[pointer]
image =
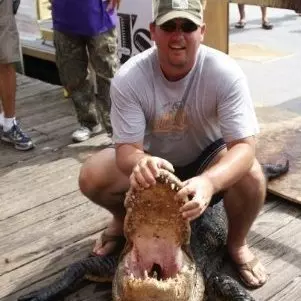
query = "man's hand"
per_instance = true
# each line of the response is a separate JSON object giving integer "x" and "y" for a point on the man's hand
{"x": 201, "y": 190}
{"x": 112, "y": 4}
{"x": 146, "y": 170}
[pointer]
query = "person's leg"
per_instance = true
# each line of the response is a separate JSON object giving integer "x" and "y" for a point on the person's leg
{"x": 243, "y": 202}
{"x": 104, "y": 60}
{"x": 242, "y": 16}
{"x": 264, "y": 19}
{"x": 8, "y": 89}
{"x": 9, "y": 54}
{"x": 72, "y": 63}
{"x": 102, "y": 182}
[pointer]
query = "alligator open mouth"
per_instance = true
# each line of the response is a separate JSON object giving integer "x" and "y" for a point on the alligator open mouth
{"x": 155, "y": 264}
{"x": 154, "y": 285}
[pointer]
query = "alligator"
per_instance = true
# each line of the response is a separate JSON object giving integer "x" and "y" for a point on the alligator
{"x": 165, "y": 258}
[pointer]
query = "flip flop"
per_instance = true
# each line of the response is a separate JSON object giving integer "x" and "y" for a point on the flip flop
{"x": 105, "y": 238}
{"x": 248, "y": 266}
{"x": 240, "y": 24}
{"x": 267, "y": 25}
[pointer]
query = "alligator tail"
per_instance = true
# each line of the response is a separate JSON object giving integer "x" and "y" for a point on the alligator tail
{"x": 72, "y": 277}
{"x": 224, "y": 288}
{"x": 273, "y": 171}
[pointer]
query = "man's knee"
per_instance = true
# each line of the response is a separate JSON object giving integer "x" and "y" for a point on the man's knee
{"x": 87, "y": 182}
{"x": 253, "y": 182}
{"x": 100, "y": 180}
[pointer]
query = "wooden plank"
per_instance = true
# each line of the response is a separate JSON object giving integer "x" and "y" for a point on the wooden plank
{"x": 45, "y": 269}
{"x": 272, "y": 220}
{"x": 37, "y": 240}
{"x": 16, "y": 222}
{"x": 290, "y": 292}
{"x": 280, "y": 139}
{"x": 287, "y": 4}
{"x": 46, "y": 145}
{"x": 280, "y": 253}
{"x": 38, "y": 49}
{"x": 29, "y": 87}
{"x": 268, "y": 240}
{"x": 47, "y": 180}
{"x": 216, "y": 35}
{"x": 45, "y": 115}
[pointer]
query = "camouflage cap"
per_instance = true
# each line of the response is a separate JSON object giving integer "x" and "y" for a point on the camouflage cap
{"x": 165, "y": 10}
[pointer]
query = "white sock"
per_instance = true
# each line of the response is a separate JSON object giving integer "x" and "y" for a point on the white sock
{"x": 8, "y": 123}
{"x": 1, "y": 119}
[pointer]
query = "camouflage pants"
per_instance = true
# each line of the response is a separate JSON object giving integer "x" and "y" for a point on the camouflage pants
{"x": 73, "y": 54}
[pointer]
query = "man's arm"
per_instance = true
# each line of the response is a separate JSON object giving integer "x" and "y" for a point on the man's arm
{"x": 228, "y": 170}
{"x": 128, "y": 155}
{"x": 233, "y": 165}
{"x": 141, "y": 167}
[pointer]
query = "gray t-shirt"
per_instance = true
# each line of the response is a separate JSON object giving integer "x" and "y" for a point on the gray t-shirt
{"x": 178, "y": 120}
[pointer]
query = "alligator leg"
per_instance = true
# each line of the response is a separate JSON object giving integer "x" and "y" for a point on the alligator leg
{"x": 224, "y": 288}
{"x": 103, "y": 267}
{"x": 272, "y": 171}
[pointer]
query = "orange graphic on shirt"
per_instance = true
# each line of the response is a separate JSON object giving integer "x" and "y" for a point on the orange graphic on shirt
{"x": 171, "y": 122}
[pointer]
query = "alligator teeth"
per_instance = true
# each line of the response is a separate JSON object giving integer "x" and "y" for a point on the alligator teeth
{"x": 132, "y": 276}
{"x": 145, "y": 274}
{"x": 173, "y": 186}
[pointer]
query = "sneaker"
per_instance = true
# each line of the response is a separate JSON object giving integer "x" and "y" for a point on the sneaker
{"x": 18, "y": 138}
{"x": 84, "y": 133}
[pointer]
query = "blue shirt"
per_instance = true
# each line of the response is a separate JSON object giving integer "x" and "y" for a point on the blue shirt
{"x": 82, "y": 17}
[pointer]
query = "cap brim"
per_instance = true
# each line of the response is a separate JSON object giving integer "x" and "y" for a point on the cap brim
{"x": 179, "y": 14}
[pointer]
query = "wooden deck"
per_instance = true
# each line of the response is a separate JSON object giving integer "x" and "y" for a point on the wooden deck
{"x": 46, "y": 223}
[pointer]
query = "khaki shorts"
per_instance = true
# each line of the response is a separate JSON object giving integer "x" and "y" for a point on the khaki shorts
{"x": 9, "y": 37}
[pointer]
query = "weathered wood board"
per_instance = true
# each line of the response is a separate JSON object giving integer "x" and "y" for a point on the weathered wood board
{"x": 280, "y": 140}
{"x": 217, "y": 33}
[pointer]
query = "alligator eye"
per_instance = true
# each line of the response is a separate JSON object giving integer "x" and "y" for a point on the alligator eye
{"x": 156, "y": 272}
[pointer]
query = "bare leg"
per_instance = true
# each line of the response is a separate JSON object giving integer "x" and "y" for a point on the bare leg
{"x": 264, "y": 14}
{"x": 242, "y": 13}
{"x": 8, "y": 89}
{"x": 265, "y": 22}
{"x": 243, "y": 202}
{"x": 103, "y": 183}
{"x": 242, "y": 16}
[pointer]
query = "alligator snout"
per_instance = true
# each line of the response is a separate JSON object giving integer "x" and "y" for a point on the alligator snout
{"x": 155, "y": 264}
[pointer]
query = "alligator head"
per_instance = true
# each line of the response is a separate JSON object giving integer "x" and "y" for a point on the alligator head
{"x": 154, "y": 226}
